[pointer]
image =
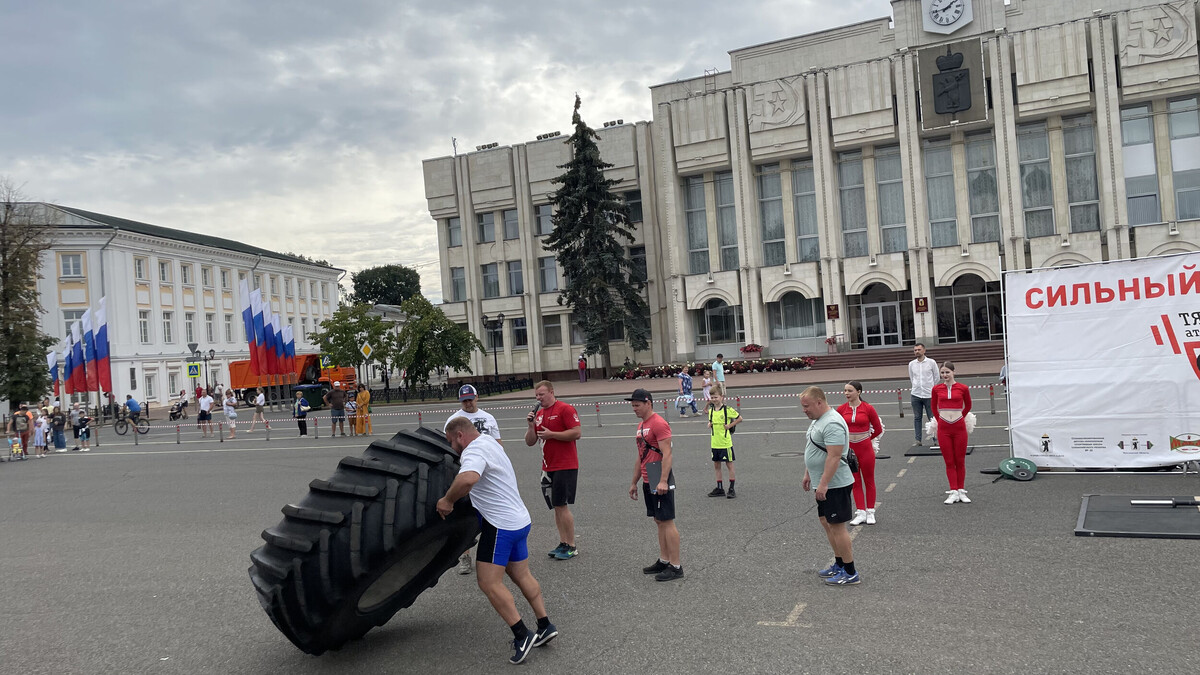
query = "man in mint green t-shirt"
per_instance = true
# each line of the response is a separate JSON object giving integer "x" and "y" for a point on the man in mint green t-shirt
{"x": 718, "y": 368}
{"x": 824, "y": 457}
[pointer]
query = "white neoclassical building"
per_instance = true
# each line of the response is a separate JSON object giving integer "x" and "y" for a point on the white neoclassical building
{"x": 870, "y": 182}
{"x": 167, "y": 288}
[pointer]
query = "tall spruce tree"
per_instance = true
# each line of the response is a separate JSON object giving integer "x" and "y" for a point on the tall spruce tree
{"x": 591, "y": 231}
{"x": 24, "y": 236}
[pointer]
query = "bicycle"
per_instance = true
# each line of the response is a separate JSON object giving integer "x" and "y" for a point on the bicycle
{"x": 122, "y": 423}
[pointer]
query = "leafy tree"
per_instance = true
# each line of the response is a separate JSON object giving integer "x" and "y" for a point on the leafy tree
{"x": 429, "y": 340}
{"x": 342, "y": 335}
{"x": 308, "y": 258}
{"x": 385, "y": 285}
{"x": 24, "y": 236}
{"x": 591, "y": 230}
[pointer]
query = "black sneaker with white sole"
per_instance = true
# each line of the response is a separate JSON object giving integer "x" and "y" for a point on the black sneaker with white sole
{"x": 521, "y": 648}
{"x": 657, "y": 567}
{"x": 670, "y": 574}
{"x": 545, "y": 635}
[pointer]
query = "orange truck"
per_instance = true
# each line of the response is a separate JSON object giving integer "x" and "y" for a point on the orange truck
{"x": 308, "y": 371}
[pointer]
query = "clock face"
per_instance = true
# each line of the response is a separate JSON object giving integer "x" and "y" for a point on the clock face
{"x": 946, "y": 12}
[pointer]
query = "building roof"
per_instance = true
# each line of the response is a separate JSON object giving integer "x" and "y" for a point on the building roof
{"x": 106, "y": 221}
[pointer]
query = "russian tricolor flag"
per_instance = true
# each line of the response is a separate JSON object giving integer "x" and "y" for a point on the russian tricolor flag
{"x": 280, "y": 346}
{"x": 102, "y": 368}
{"x": 52, "y": 362}
{"x": 68, "y": 369}
{"x": 269, "y": 341}
{"x": 79, "y": 371}
{"x": 92, "y": 373}
{"x": 248, "y": 324}
{"x": 289, "y": 349}
{"x": 258, "y": 342}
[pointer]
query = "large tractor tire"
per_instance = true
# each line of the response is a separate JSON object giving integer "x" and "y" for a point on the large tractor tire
{"x": 363, "y": 544}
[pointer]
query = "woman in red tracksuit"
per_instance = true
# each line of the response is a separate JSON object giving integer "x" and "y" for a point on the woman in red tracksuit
{"x": 951, "y": 403}
{"x": 865, "y": 427}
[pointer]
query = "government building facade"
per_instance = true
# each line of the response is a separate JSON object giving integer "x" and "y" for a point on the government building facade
{"x": 866, "y": 185}
{"x": 166, "y": 289}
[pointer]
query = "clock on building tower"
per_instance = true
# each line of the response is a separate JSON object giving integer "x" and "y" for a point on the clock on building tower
{"x": 945, "y": 16}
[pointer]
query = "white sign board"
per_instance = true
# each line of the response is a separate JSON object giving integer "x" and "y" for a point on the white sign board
{"x": 1102, "y": 363}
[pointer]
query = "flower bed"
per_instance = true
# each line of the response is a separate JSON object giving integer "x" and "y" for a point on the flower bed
{"x": 638, "y": 371}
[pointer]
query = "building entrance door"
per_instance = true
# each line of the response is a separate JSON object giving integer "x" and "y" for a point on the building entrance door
{"x": 881, "y": 324}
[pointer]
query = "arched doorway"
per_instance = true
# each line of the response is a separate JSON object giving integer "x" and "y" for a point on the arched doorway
{"x": 969, "y": 310}
{"x": 881, "y": 317}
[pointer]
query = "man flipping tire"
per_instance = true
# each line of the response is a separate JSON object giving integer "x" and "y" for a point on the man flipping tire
{"x": 487, "y": 474}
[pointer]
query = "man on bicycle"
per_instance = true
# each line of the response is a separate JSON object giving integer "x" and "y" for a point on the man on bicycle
{"x": 135, "y": 408}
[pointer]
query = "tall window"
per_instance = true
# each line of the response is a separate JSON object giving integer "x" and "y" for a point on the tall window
{"x": 189, "y": 326}
{"x": 697, "y": 225}
{"x": 210, "y": 328}
{"x": 257, "y": 281}
{"x": 939, "y": 190}
{"x": 274, "y": 284}
{"x": 139, "y": 269}
{"x": 491, "y": 280}
{"x": 225, "y": 280}
{"x": 458, "y": 284}
{"x": 304, "y": 329}
{"x": 168, "y": 319}
{"x": 552, "y": 330}
{"x": 770, "y": 212}
{"x": 206, "y": 277}
{"x": 516, "y": 280}
{"x": 1079, "y": 145}
{"x": 185, "y": 275}
{"x": 144, "y": 326}
{"x": 577, "y": 336}
{"x": 544, "y": 217}
{"x": 547, "y": 275}
{"x": 300, "y": 288}
{"x": 495, "y": 336}
{"x": 1141, "y": 173}
{"x": 519, "y": 333}
{"x": 890, "y": 192}
{"x": 804, "y": 203}
{"x": 287, "y": 286}
{"x": 453, "y": 232}
{"x": 1184, "y": 123}
{"x": 1037, "y": 190}
{"x": 487, "y": 226}
{"x": 637, "y": 257}
{"x": 981, "y": 188}
{"x": 717, "y": 323}
{"x": 72, "y": 264}
{"x": 633, "y": 199}
{"x": 172, "y": 382}
{"x": 853, "y": 197}
{"x": 726, "y": 220}
{"x": 512, "y": 229}
{"x": 164, "y": 271}
{"x": 229, "y": 328}
{"x": 796, "y": 316}
{"x": 70, "y": 316}
{"x": 150, "y": 381}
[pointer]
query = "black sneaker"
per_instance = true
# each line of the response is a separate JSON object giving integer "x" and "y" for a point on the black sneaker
{"x": 657, "y": 567}
{"x": 731, "y": 494}
{"x": 521, "y": 648}
{"x": 717, "y": 492}
{"x": 557, "y": 549}
{"x": 545, "y": 635}
{"x": 669, "y": 574}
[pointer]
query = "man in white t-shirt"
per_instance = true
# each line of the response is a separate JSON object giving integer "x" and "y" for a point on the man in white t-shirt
{"x": 484, "y": 424}
{"x": 923, "y": 374}
{"x": 204, "y": 419}
{"x": 487, "y": 475}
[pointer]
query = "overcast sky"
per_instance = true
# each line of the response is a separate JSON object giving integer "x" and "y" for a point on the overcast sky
{"x": 301, "y": 125}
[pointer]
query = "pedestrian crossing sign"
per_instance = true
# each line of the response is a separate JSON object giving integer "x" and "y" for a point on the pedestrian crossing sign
{"x": 326, "y": 362}
{"x": 193, "y": 370}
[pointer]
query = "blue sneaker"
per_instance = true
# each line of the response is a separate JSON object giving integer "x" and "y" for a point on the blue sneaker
{"x": 566, "y": 553}
{"x": 831, "y": 571}
{"x": 843, "y": 579}
{"x": 557, "y": 549}
{"x": 545, "y": 635}
{"x": 521, "y": 648}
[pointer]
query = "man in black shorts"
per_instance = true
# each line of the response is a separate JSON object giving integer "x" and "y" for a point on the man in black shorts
{"x": 653, "y": 470}
{"x": 828, "y": 439}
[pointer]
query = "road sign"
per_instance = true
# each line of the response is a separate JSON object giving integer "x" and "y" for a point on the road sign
{"x": 366, "y": 350}
{"x": 326, "y": 362}
{"x": 193, "y": 370}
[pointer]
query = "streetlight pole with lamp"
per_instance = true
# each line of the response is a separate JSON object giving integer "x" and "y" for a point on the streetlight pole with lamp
{"x": 197, "y": 354}
{"x": 491, "y": 326}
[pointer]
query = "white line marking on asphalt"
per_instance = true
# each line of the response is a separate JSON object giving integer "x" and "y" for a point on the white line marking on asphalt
{"x": 791, "y": 619}
{"x": 911, "y": 460}
{"x": 902, "y": 472}
{"x": 889, "y": 488}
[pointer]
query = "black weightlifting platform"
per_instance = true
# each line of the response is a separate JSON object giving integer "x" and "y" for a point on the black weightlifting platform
{"x": 1114, "y": 516}
{"x": 930, "y": 451}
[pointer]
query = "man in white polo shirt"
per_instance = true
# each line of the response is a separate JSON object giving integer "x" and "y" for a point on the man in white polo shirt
{"x": 923, "y": 374}
{"x": 487, "y": 475}
{"x": 485, "y": 424}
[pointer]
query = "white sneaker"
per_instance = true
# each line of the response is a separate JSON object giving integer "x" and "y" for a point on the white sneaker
{"x": 952, "y": 498}
{"x": 962, "y": 497}
{"x": 860, "y": 517}
{"x": 870, "y": 516}
{"x": 464, "y": 564}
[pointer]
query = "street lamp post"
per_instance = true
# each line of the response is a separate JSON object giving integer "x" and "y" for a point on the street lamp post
{"x": 490, "y": 326}
{"x": 197, "y": 354}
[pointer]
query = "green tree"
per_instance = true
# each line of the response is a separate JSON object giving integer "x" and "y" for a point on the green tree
{"x": 591, "y": 231}
{"x": 308, "y": 258}
{"x": 24, "y": 235}
{"x": 429, "y": 340}
{"x": 343, "y": 334}
{"x": 385, "y": 285}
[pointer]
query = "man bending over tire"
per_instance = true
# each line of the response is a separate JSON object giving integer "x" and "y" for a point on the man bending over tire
{"x": 487, "y": 474}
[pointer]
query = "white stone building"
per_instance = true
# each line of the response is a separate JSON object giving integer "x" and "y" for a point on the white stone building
{"x": 167, "y": 288}
{"x": 871, "y": 182}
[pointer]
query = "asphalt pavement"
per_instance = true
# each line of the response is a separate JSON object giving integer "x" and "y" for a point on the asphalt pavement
{"x": 132, "y": 559}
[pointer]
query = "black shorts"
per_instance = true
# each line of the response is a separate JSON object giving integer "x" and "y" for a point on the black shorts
{"x": 723, "y": 454}
{"x": 204, "y": 416}
{"x": 75, "y": 430}
{"x": 838, "y": 506}
{"x": 561, "y": 489}
{"x": 659, "y": 507}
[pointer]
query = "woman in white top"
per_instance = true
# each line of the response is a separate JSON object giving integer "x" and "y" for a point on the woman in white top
{"x": 230, "y": 405}
{"x": 707, "y": 382}
{"x": 260, "y": 401}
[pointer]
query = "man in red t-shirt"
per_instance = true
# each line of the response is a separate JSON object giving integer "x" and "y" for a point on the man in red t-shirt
{"x": 556, "y": 425}
{"x": 654, "y": 456}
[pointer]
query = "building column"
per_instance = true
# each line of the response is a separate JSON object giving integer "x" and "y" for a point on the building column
{"x": 673, "y": 226}
{"x": 1110, "y": 165}
{"x": 746, "y": 202}
{"x": 828, "y": 213}
{"x": 920, "y": 270}
{"x": 1008, "y": 173}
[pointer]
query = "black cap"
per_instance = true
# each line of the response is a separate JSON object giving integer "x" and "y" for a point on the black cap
{"x": 640, "y": 395}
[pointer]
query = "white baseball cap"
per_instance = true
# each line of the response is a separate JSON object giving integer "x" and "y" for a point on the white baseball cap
{"x": 337, "y": 384}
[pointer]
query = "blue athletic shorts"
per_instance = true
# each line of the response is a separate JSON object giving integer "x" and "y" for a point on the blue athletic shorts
{"x": 500, "y": 547}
